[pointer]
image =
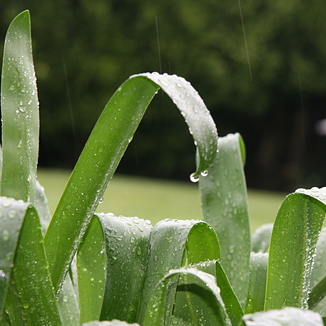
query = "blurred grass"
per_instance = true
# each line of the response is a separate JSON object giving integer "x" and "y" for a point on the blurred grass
{"x": 158, "y": 199}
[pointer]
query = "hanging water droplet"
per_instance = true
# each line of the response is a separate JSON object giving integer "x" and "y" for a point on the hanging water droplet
{"x": 204, "y": 173}
{"x": 194, "y": 177}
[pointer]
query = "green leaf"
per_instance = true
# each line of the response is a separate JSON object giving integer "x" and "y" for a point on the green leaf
{"x": 200, "y": 304}
{"x": 230, "y": 299}
{"x": 257, "y": 282}
{"x": 41, "y": 205}
{"x": 30, "y": 299}
{"x": 127, "y": 244}
{"x": 174, "y": 244}
{"x": 317, "y": 300}
{"x": 292, "y": 247}
{"x": 224, "y": 205}
{"x": 103, "y": 152}
{"x": 285, "y": 317}
{"x": 68, "y": 304}
{"x": 195, "y": 113}
{"x": 12, "y": 214}
{"x": 261, "y": 238}
{"x": 19, "y": 107}
{"x": 91, "y": 270}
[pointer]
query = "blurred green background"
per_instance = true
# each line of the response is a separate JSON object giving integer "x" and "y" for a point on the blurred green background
{"x": 156, "y": 200}
{"x": 269, "y": 86}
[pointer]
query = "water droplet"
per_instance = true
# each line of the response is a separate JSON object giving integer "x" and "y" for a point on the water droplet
{"x": 12, "y": 214}
{"x": 204, "y": 173}
{"x": 5, "y": 235}
{"x": 194, "y": 177}
{"x": 164, "y": 83}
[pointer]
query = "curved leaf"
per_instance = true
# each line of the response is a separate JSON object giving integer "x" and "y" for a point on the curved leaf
{"x": 230, "y": 299}
{"x": 292, "y": 248}
{"x": 224, "y": 205}
{"x": 19, "y": 108}
{"x": 173, "y": 244}
{"x": 195, "y": 113}
{"x": 201, "y": 303}
{"x": 103, "y": 152}
{"x": 127, "y": 243}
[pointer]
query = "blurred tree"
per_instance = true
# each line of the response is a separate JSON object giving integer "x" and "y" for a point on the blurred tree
{"x": 270, "y": 86}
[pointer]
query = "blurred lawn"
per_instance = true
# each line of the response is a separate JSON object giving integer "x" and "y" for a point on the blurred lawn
{"x": 158, "y": 199}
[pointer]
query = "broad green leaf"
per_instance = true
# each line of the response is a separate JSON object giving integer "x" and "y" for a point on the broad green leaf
{"x": 292, "y": 247}
{"x": 204, "y": 304}
{"x": 103, "y": 152}
{"x": 91, "y": 271}
{"x": 19, "y": 108}
{"x": 195, "y": 113}
{"x": 257, "y": 282}
{"x": 285, "y": 317}
{"x": 127, "y": 244}
{"x": 261, "y": 238}
{"x": 30, "y": 299}
{"x": 12, "y": 214}
{"x": 174, "y": 244}
{"x": 317, "y": 300}
{"x": 230, "y": 300}
{"x": 113, "y": 322}
{"x": 224, "y": 205}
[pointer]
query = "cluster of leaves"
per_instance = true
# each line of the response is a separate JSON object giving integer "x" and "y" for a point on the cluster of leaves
{"x": 80, "y": 267}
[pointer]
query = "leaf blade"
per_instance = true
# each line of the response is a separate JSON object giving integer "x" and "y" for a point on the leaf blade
{"x": 19, "y": 107}
{"x": 292, "y": 248}
{"x": 224, "y": 205}
{"x": 98, "y": 162}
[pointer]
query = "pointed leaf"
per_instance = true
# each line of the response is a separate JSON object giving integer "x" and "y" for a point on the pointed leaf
{"x": 31, "y": 299}
{"x": 91, "y": 270}
{"x": 103, "y": 152}
{"x": 292, "y": 248}
{"x": 224, "y": 204}
{"x": 19, "y": 107}
{"x": 173, "y": 244}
